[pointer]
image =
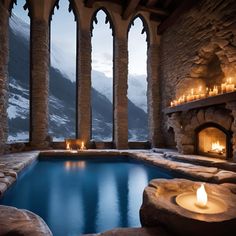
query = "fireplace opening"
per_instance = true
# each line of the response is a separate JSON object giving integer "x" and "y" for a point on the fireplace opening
{"x": 213, "y": 140}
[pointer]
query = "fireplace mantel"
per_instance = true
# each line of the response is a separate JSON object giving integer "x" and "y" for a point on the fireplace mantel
{"x": 210, "y": 101}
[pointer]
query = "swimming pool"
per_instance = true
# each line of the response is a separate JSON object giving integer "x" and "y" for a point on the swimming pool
{"x": 84, "y": 195}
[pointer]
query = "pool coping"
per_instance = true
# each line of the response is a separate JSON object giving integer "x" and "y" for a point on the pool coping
{"x": 13, "y": 164}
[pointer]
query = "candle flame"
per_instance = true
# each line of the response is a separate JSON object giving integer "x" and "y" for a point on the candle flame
{"x": 228, "y": 86}
{"x": 67, "y": 146}
{"x": 82, "y": 146}
{"x": 201, "y": 196}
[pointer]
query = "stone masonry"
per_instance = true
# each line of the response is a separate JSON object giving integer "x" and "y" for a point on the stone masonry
{"x": 120, "y": 90}
{"x": 153, "y": 95}
{"x": 84, "y": 85}
{"x": 186, "y": 123}
{"x": 4, "y": 16}
{"x": 202, "y": 38}
{"x": 39, "y": 82}
{"x": 39, "y": 79}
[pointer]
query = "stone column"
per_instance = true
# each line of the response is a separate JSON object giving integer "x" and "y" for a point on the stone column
{"x": 153, "y": 96}
{"x": 120, "y": 91}
{"x": 232, "y": 106}
{"x": 83, "y": 128}
{"x": 4, "y": 52}
{"x": 39, "y": 40}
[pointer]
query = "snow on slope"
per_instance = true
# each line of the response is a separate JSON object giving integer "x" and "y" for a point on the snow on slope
{"x": 19, "y": 26}
{"x": 18, "y": 101}
{"x": 19, "y": 96}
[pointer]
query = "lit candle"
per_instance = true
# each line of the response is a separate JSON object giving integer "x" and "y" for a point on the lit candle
{"x": 201, "y": 196}
{"x": 223, "y": 88}
{"x": 68, "y": 146}
{"x": 82, "y": 146}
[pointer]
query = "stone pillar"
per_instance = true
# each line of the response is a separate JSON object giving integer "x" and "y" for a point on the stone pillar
{"x": 39, "y": 82}
{"x": 4, "y": 52}
{"x": 232, "y": 106}
{"x": 120, "y": 92}
{"x": 83, "y": 128}
{"x": 153, "y": 96}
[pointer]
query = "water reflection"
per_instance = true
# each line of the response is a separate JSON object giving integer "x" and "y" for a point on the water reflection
{"x": 74, "y": 165}
{"x": 98, "y": 196}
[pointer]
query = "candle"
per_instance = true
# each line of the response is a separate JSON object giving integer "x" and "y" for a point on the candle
{"x": 201, "y": 197}
{"x": 200, "y": 202}
{"x": 223, "y": 88}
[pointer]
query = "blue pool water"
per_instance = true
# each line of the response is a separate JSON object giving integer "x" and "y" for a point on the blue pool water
{"x": 76, "y": 196}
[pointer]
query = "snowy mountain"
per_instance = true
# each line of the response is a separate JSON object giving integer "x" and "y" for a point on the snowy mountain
{"x": 62, "y": 97}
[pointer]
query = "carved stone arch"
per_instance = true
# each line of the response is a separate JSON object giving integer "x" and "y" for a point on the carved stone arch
{"x": 146, "y": 28}
{"x": 108, "y": 19}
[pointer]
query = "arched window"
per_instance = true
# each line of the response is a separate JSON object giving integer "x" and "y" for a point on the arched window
{"x": 62, "y": 85}
{"x": 137, "y": 81}
{"x": 102, "y": 77}
{"x": 18, "y": 70}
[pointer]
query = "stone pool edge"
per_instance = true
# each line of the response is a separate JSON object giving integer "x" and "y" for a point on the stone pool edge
{"x": 11, "y": 165}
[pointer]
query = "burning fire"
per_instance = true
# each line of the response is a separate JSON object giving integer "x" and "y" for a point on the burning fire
{"x": 201, "y": 196}
{"x": 216, "y": 147}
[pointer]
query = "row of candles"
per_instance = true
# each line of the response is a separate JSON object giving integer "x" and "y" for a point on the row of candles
{"x": 69, "y": 148}
{"x": 226, "y": 87}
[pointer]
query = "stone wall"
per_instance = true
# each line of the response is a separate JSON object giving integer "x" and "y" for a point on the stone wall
{"x": 3, "y": 75}
{"x": 203, "y": 37}
{"x": 186, "y": 123}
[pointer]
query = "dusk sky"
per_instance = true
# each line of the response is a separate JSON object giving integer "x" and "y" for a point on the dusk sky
{"x": 63, "y": 36}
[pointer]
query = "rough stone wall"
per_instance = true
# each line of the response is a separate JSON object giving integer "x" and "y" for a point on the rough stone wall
{"x": 208, "y": 29}
{"x": 185, "y": 124}
{"x": 120, "y": 91}
{"x": 84, "y": 85}
{"x": 3, "y": 75}
{"x": 153, "y": 95}
{"x": 232, "y": 107}
{"x": 39, "y": 82}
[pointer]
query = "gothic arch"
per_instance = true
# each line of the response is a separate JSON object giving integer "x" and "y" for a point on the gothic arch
{"x": 146, "y": 28}
{"x": 108, "y": 19}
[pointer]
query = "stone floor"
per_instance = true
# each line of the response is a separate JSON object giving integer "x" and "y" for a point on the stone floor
{"x": 194, "y": 167}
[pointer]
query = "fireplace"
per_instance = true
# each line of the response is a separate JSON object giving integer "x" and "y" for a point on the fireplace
{"x": 213, "y": 140}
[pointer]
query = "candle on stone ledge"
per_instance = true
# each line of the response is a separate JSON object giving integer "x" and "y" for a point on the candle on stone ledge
{"x": 201, "y": 202}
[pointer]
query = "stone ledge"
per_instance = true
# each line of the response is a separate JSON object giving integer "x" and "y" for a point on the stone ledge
{"x": 160, "y": 209}
{"x": 199, "y": 172}
{"x": 202, "y": 160}
{"x": 21, "y": 222}
{"x": 11, "y": 165}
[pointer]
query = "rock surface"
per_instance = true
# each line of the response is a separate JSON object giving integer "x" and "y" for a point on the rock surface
{"x": 190, "y": 170}
{"x": 159, "y": 208}
{"x": 21, "y": 222}
{"x": 155, "y": 231}
{"x": 11, "y": 164}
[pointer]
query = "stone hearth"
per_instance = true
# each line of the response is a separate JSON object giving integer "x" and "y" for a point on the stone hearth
{"x": 186, "y": 124}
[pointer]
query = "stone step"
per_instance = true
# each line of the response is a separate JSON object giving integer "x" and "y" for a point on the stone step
{"x": 201, "y": 160}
